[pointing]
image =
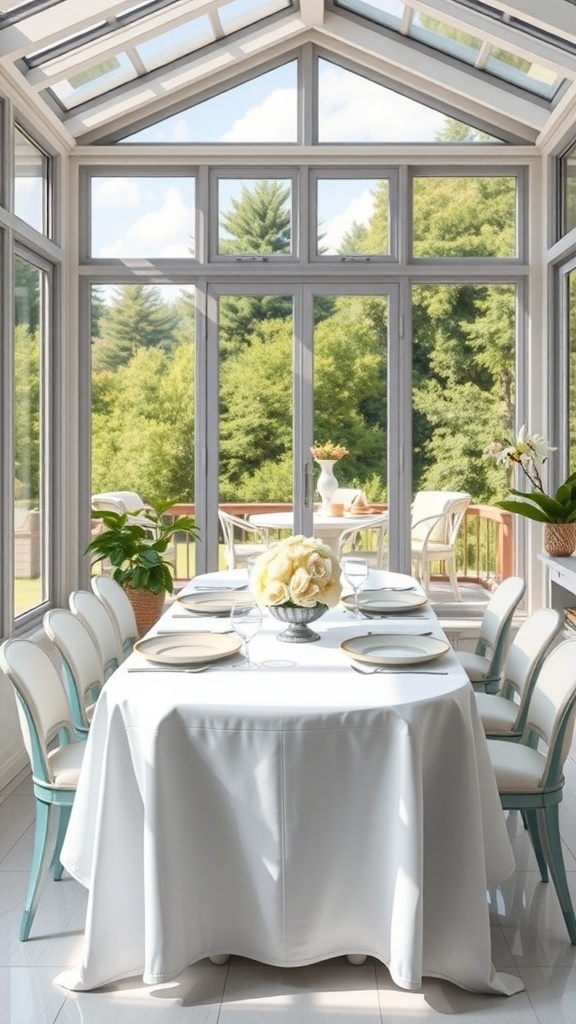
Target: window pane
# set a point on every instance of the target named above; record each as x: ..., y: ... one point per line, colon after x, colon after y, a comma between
x: 29, y: 570
x: 143, y: 397
x: 261, y: 110
x: 254, y: 216
x: 142, y: 217
x: 30, y: 185
x: 569, y: 197
x: 350, y: 398
x: 460, y: 216
x: 353, y: 216
x: 255, y: 430
x: 354, y: 109
x: 462, y: 386
x: 572, y: 364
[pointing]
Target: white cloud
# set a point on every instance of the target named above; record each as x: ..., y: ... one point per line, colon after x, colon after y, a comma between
x: 273, y: 120
x: 359, y: 209
x: 157, y: 233
x: 354, y: 109
x: 110, y: 192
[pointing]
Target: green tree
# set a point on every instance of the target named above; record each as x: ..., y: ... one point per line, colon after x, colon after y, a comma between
x: 259, y: 221
x: 136, y: 318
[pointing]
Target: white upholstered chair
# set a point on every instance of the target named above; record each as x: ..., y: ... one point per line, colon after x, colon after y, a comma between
x: 83, y: 674
x: 114, y: 597
x: 484, y: 665
x: 503, y: 714
x: 98, y: 620
x: 436, y: 520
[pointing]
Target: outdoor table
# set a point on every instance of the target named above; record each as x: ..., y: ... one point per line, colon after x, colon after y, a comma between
x: 328, y: 529
x: 289, y: 814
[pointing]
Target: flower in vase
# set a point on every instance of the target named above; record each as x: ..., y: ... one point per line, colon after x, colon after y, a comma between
x: 299, y: 572
x: 528, y: 452
x: 327, y: 450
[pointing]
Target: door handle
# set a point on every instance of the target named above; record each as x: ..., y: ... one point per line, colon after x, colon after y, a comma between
x: 308, y: 485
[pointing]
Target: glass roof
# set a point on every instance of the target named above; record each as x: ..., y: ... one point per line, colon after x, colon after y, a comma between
x: 102, y: 66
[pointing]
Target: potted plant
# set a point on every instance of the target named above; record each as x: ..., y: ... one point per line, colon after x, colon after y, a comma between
x: 135, y: 544
x: 557, y: 511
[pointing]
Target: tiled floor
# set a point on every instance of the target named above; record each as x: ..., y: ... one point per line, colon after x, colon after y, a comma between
x: 529, y: 938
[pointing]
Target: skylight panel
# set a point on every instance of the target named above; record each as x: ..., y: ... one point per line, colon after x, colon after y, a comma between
x: 523, y: 72
x: 386, y: 12
x: 167, y: 46
x: 445, y: 37
x: 239, y: 13
x: 94, y: 81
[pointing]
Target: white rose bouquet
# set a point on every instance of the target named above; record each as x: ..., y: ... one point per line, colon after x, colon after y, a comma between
x: 298, y: 571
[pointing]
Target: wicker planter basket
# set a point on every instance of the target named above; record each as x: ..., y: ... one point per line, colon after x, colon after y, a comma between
x: 147, y: 607
x: 560, y: 539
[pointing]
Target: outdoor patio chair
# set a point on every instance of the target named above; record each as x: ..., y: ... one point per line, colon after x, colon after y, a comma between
x: 436, y: 520
x: 54, y: 751
x: 237, y: 550
x: 503, y: 714
x: 360, y: 542
x: 529, y: 774
x: 484, y: 665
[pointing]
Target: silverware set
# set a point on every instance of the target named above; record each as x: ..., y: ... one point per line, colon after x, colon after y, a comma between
x: 395, y: 670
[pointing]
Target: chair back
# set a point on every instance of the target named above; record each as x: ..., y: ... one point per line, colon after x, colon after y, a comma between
x: 96, y: 617
x: 437, y: 516
x: 348, y: 496
x: 552, y: 710
x: 230, y: 523
x: 43, y: 707
x: 118, y: 501
x: 525, y: 658
x: 83, y: 671
x: 497, y: 619
x: 114, y: 598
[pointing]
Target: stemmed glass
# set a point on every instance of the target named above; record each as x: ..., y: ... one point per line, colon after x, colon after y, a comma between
x: 355, y: 572
x: 246, y: 619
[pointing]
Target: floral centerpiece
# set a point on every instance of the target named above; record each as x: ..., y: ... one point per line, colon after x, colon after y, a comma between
x: 327, y: 451
x: 557, y: 511
x: 297, y: 579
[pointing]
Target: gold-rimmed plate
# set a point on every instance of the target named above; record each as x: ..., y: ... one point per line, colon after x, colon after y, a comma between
x: 394, y: 648
x: 187, y: 648
x: 213, y: 602
x: 382, y: 602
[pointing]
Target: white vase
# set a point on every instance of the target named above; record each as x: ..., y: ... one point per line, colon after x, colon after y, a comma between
x: 326, y: 483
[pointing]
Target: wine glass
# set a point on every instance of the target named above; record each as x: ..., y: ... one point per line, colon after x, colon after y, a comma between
x: 246, y: 619
x: 355, y: 572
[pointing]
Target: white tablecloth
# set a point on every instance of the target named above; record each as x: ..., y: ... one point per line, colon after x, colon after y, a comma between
x: 328, y: 529
x: 289, y: 814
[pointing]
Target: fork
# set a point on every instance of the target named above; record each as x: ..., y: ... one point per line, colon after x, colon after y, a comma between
x: 171, y: 668
x: 399, y: 671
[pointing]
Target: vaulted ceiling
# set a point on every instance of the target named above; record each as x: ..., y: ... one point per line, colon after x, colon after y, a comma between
x: 100, y: 68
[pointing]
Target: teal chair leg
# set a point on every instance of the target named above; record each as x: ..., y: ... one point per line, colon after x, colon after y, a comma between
x: 549, y: 827
x: 38, y: 869
x: 531, y: 823
x: 56, y: 866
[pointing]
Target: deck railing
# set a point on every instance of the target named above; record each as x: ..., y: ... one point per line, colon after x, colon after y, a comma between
x: 485, y: 551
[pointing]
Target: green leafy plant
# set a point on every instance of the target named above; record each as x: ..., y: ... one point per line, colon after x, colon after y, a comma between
x: 135, y: 544
x: 528, y: 452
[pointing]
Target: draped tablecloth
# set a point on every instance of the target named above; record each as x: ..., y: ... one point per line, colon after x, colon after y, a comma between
x: 289, y: 814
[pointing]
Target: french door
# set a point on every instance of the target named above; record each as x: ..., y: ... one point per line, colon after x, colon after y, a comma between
x: 282, y: 366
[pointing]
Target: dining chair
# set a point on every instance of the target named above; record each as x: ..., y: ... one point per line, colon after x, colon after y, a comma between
x: 83, y: 674
x: 483, y: 666
x: 503, y: 714
x: 348, y: 496
x: 435, y: 524
x: 54, y: 751
x: 353, y: 540
x: 118, y: 605
x: 97, y: 619
x: 237, y: 551
x: 529, y: 774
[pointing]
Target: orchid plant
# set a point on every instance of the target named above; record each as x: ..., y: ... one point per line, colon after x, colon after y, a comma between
x: 529, y: 452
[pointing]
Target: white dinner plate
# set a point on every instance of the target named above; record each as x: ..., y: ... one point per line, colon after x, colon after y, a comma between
x: 213, y: 602
x: 394, y: 648
x: 379, y: 602
x: 187, y: 648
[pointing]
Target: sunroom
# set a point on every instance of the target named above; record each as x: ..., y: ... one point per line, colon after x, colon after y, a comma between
x: 233, y: 230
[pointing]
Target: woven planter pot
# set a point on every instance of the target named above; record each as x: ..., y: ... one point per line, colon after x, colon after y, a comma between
x: 560, y: 539
x: 147, y: 607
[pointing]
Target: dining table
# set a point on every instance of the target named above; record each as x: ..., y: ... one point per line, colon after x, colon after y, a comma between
x: 308, y: 808
x: 327, y: 528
